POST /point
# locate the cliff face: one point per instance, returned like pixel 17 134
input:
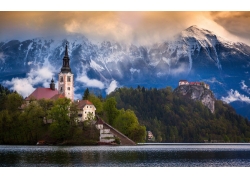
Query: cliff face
pixel 198 93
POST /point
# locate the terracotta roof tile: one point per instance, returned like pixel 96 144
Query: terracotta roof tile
pixel 82 103
pixel 57 96
pixel 42 93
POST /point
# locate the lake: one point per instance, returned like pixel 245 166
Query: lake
pixel 157 155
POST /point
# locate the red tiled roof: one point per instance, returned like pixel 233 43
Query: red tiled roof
pixel 183 81
pixel 82 103
pixel 57 96
pixel 42 93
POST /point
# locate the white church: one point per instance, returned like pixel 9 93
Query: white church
pixel 65 89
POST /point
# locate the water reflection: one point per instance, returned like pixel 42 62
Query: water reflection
pixel 124 156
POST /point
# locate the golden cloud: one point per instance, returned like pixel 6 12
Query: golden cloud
pixel 133 27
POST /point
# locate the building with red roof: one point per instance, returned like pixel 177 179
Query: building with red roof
pixel 185 82
pixel 65 86
pixel 65 90
pixel 45 93
pixel 85 107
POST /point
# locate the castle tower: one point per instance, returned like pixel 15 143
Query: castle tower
pixel 66 78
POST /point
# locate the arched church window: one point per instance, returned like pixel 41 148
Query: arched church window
pixel 61 79
pixel 68 79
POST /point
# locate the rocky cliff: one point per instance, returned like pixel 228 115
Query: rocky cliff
pixel 199 93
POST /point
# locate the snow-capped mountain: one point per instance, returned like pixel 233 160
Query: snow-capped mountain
pixel 195 54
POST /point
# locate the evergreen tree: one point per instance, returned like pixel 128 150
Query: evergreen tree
pixel 86 94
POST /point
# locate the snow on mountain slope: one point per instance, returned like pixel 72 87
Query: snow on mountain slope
pixel 195 54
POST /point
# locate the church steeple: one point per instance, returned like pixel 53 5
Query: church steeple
pixel 66 68
pixel 66 78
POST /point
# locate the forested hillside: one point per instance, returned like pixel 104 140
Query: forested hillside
pixel 175 118
pixel 26 123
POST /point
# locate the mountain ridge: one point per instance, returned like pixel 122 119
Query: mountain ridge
pixel 196 55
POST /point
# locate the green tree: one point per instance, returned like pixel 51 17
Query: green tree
pixel 110 109
pixel 73 114
pixel 60 115
pixel 128 124
pixel 14 102
pixel 31 120
pixel 97 103
pixel 86 94
pixel 5 127
pixel 46 105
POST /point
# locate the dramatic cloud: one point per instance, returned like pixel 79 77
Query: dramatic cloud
pixel 113 85
pixel 236 23
pixel 139 27
pixel 25 86
pixel 83 78
pixel 22 86
pixel 235 96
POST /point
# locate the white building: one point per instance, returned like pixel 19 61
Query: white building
pixel 183 82
pixel 85 107
pixel 66 78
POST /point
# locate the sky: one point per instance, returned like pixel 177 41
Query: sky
pixel 133 22
pixel 111 22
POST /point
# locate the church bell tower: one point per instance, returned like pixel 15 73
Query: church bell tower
pixel 66 78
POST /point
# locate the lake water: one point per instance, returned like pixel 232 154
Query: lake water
pixel 163 155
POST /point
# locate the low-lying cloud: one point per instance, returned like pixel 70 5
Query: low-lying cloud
pixel 25 86
pixel 112 86
pixel 83 78
pixel 21 85
pixel 234 95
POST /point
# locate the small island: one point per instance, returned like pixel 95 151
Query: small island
pixel 127 116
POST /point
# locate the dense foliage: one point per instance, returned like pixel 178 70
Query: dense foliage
pixel 124 121
pixel 170 117
pixel 173 118
pixel 56 122
pixel 26 122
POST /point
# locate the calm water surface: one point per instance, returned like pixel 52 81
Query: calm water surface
pixel 167 155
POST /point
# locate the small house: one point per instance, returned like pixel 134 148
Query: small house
pixel 86 110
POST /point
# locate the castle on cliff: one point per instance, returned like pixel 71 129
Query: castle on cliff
pixel 185 82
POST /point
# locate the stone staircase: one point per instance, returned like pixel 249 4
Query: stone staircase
pixel 108 134
pixel 124 140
